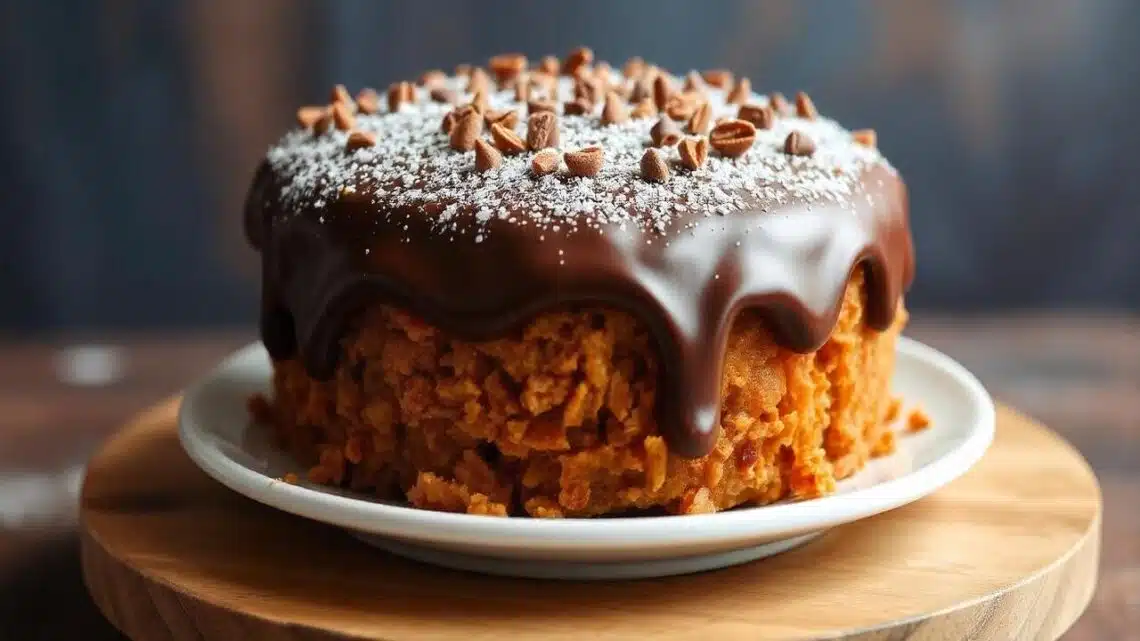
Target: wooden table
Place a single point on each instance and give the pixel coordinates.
(1078, 374)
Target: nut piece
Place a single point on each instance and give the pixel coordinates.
(468, 126)
(505, 117)
(584, 162)
(479, 101)
(694, 82)
(398, 94)
(367, 101)
(579, 107)
(694, 152)
(732, 138)
(342, 116)
(536, 106)
(577, 59)
(653, 167)
(798, 144)
(805, 108)
(506, 66)
(645, 108)
(865, 137)
(506, 140)
(308, 116)
(760, 117)
(662, 90)
(550, 65)
(462, 70)
(479, 81)
(633, 67)
(542, 130)
(359, 140)
(544, 162)
(740, 93)
(340, 94)
(779, 104)
(522, 89)
(683, 105)
(323, 123)
(444, 95)
(434, 77)
(641, 90)
(699, 123)
(665, 133)
(448, 122)
(719, 78)
(486, 156)
(614, 112)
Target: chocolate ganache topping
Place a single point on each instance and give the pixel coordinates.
(398, 215)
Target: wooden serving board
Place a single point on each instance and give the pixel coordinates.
(1009, 551)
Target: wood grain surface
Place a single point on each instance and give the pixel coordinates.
(1007, 552)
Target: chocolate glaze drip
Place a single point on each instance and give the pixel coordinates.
(789, 260)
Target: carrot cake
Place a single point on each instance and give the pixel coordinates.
(554, 288)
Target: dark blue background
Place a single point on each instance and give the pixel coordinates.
(129, 130)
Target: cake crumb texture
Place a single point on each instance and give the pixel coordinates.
(558, 420)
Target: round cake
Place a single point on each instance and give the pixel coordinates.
(556, 289)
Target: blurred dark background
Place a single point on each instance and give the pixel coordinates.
(129, 130)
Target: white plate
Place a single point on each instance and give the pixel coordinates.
(215, 431)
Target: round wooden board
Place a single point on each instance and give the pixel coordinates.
(1007, 552)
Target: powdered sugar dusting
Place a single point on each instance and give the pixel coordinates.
(412, 167)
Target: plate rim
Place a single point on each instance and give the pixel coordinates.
(783, 519)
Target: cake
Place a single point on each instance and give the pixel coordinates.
(557, 289)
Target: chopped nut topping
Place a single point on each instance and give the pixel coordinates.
(505, 117)
(479, 101)
(542, 130)
(646, 108)
(805, 108)
(323, 123)
(682, 106)
(641, 90)
(578, 58)
(653, 167)
(550, 65)
(340, 94)
(578, 107)
(432, 78)
(479, 81)
(506, 66)
(444, 95)
(468, 126)
(633, 67)
(779, 104)
(665, 133)
(536, 106)
(448, 122)
(544, 162)
(699, 123)
(461, 70)
(587, 88)
(733, 137)
(603, 73)
(399, 93)
(694, 152)
(367, 101)
(719, 78)
(694, 82)
(308, 116)
(522, 89)
(342, 116)
(506, 140)
(614, 111)
(662, 91)
(798, 144)
(865, 137)
(486, 156)
(741, 92)
(584, 162)
(359, 140)
(760, 117)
